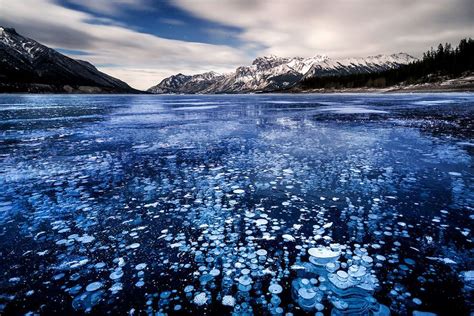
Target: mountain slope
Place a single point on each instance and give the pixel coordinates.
(446, 68)
(28, 66)
(186, 84)
(350, 66)
(272, 73)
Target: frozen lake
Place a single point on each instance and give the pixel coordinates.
(263, 204)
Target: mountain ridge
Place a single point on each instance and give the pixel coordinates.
(29, 66)
(273, 73)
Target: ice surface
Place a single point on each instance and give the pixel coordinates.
(351, 110)
(268, 204)
(196, 108)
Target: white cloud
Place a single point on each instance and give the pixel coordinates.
(341, 28)
(138, 56)
(338, 28)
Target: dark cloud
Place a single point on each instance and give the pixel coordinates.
(55, 35)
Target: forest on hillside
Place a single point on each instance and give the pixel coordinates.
(443, 61)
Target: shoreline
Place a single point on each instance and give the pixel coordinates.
(346, 91)
(464, 84)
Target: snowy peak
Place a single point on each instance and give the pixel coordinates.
(7, 30)
(28, 66)
(299, 64)
(206, 76)
(358, 65)
(270, 73)
(186, 84)
(267, 62)
(26, 47)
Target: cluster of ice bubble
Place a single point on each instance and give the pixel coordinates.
(237, 269)
(339, 275)
(181, 227)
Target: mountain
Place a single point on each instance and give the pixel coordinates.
(190, 84)
(350, 66)
(446, 68)
(28, 66)
(272, 73)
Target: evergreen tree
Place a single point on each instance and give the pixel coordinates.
(444, 61)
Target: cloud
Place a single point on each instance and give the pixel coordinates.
(338, 28)
(114, 7)
(341, 28)
(139, 56)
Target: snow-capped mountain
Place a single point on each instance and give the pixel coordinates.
(190, 84)
(170, 84)
(348, 66)
(270, 73)
(28, 66)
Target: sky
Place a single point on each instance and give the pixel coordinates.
(144, 41)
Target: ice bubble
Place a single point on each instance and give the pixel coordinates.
(134, 245)
(116, 287)
(287, 237)
(86, 239)
(205, 278)
(120, 262)
(239, 191)
(245, 280)
(323, 255)
(468, 276)
(340, 279)
(140, 266)
(228, 300)
(94, 286)
(443, 260)
(328, 225)
(380, 258)
(200, 299)
(367, 261)
(275, 289)
(99, 265)
(261, 252)
(357, 271)
(306, 293)
(331, 267)
(117, 274)
(342, 275)
(261, 221)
